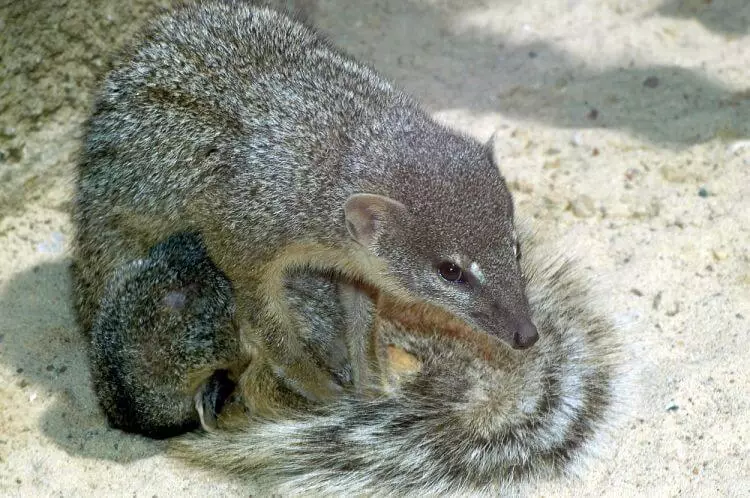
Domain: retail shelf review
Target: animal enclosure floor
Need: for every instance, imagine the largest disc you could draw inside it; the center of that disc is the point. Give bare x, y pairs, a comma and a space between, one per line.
623, 127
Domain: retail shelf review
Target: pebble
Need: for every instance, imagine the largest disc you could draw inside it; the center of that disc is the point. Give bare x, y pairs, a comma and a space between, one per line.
719, 255
577, 139
674, 309
651, 82
631, 173
657, 301
555, 200
675, 173
646, 210
16, 153
737, 146
522, 185
583, 206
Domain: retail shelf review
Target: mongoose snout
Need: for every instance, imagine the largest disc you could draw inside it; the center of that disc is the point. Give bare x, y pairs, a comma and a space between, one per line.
525, 335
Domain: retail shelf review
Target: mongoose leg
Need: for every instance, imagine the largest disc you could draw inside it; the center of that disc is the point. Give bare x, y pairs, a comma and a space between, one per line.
359, 312
163, 334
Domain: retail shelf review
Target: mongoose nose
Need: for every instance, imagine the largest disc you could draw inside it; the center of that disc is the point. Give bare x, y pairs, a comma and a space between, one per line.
525, 336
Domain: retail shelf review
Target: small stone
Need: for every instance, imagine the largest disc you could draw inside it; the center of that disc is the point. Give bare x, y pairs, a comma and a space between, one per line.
636, 292
49, 368
678, 173
593, 114
737, 146
672, 407
595, 152
16, 154
674, 309
555, 200
719, 255
703, 192
576, 140
651, 82
583, 206
646, 211
657, 301
617, 209
631, 173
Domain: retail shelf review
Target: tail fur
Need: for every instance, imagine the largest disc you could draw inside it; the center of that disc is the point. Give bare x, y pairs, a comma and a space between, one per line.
464, 423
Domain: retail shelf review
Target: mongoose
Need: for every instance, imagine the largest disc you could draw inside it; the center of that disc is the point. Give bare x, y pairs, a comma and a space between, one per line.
464, 415
166, 334
166, 341
452, 410
239, 123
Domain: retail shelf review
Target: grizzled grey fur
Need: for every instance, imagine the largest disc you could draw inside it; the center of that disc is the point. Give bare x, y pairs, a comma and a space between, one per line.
240, 124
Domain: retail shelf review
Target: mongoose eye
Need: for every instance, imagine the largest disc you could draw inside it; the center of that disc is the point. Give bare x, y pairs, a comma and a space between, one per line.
451, 272
517, 250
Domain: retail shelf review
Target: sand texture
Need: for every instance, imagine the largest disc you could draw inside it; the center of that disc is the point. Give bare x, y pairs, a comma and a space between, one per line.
623, 128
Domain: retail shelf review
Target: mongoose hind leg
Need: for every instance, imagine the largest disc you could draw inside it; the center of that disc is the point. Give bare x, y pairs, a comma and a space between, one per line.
164, 333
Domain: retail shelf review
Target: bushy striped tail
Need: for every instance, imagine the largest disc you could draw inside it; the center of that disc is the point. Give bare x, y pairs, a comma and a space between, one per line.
462, 424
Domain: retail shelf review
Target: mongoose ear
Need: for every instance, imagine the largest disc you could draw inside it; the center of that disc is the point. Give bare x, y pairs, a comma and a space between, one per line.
366, 214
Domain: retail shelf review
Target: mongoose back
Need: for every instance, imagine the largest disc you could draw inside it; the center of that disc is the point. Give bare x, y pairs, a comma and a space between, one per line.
241, 124
464, 416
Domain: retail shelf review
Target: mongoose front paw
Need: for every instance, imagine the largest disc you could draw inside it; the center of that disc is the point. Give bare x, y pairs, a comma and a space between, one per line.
211, 398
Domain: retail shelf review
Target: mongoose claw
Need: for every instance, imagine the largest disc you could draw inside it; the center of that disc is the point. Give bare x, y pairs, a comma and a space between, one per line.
211, 398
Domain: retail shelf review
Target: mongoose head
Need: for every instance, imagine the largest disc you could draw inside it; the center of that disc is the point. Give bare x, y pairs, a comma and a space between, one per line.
452, 243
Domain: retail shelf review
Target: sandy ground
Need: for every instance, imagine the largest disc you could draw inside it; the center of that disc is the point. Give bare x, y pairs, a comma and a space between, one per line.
624, 127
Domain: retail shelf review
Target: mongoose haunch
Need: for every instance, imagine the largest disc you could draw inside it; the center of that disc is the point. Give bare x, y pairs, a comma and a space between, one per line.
245, 126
